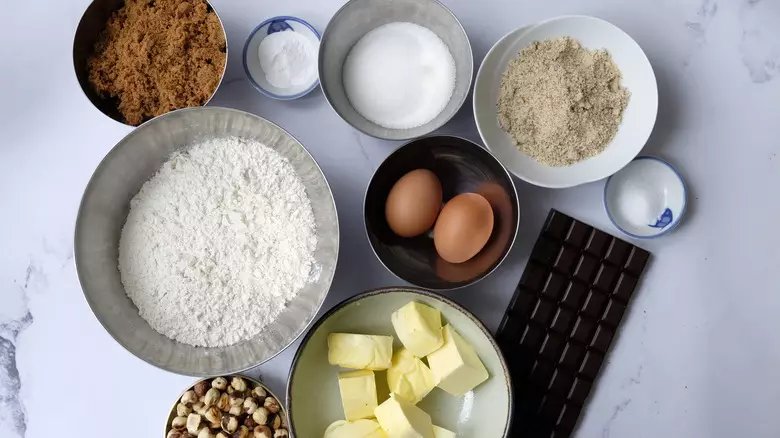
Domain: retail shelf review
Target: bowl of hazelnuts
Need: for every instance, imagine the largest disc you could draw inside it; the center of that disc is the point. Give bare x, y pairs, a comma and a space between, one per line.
227, 407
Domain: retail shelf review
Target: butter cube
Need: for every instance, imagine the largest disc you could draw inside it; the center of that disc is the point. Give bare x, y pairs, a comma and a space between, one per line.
456, 365
440, 432
418, 327
409, 378
360, 351
356, 429
401, 419
358, 394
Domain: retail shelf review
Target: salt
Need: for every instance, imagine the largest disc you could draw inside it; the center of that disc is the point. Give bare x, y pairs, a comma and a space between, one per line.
288, 59
399, 75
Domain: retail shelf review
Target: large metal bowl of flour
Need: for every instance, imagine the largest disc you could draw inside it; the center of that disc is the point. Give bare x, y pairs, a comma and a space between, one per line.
103, 212
358, 17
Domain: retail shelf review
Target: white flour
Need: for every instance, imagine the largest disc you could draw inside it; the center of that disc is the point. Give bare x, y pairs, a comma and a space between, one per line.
217, 242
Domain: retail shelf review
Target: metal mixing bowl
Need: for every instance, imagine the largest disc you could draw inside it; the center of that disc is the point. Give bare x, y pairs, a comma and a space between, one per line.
91, 24
358, 17
103, 213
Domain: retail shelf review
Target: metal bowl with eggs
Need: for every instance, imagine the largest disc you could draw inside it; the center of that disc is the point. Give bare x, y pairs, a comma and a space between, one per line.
441, 212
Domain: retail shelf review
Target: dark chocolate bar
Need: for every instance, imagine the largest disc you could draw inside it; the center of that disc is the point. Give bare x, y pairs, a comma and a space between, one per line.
562, 319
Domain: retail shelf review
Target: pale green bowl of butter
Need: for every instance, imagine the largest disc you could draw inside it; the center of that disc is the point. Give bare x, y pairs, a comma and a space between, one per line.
313, 396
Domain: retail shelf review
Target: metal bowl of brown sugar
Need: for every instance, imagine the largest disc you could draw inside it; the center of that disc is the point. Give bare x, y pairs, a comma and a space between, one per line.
111, 68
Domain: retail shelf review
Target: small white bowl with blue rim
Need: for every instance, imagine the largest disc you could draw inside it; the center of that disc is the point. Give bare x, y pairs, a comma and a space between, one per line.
251, 59
645, 199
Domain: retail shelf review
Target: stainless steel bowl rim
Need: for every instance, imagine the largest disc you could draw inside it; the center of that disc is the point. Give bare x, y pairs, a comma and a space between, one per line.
76, 240
433, 128
390, 289
514, 194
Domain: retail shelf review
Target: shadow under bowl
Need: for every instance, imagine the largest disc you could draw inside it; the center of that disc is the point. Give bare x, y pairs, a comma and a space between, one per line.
358, 17
462, 167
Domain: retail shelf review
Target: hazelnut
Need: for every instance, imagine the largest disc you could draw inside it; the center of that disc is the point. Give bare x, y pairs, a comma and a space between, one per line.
211, 397
205, 433
222, 435
250, 422
183, 410
260, 393
173, 433
235, 400
235, 410
271, 404
201, 387
229, 423
189, 397
193, 424
242, 432
261, 416
213, 415
219, 383
199, 408
280, 433
179, 423
224, 402
250, 405
262, 432
276, 422
238, 384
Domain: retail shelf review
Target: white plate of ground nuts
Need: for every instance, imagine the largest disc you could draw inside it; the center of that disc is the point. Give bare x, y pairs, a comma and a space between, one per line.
227, 407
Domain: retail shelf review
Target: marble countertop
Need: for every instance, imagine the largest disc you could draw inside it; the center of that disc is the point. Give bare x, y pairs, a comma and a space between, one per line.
697, 355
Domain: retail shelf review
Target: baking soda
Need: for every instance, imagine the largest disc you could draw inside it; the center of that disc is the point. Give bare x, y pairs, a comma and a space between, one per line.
399, 75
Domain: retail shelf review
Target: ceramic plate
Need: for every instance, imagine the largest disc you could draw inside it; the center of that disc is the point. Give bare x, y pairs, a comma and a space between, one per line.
638, 118
313, 398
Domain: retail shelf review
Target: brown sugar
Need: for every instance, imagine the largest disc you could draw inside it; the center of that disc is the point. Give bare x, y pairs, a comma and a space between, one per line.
156, 56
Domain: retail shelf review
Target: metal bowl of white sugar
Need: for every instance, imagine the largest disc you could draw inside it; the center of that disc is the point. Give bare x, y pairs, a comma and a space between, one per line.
395, 70
206, 241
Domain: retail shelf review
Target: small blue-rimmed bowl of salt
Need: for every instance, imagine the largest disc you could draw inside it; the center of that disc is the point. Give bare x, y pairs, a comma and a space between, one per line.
280, 58
646, 198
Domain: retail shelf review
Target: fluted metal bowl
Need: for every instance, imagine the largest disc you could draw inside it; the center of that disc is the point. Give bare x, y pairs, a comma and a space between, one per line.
103, 213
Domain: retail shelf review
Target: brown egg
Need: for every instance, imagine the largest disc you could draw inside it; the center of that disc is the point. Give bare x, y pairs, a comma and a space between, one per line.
463, 228
413, 203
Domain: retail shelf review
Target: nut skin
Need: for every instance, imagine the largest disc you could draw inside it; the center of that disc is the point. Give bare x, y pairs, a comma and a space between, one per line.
201, 387
220, 383
183, 410
229, 423
179, 423
173, 433
205, 433
276, 423
224, 402
193, 424
271, 404
235, 400
261, 416
242, 432
250, 422
238, 384
262, 432
213, 415
211, 397
281, 433
189, 397
250, 405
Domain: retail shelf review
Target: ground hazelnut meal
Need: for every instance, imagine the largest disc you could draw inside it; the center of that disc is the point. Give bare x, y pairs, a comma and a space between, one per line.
218, 242
156, 56
561, 103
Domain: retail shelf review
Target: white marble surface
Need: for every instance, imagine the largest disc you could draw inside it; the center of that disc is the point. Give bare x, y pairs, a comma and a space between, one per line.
697, 355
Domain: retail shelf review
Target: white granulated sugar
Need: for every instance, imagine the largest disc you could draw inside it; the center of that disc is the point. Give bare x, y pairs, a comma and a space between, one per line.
399, 75
217, 242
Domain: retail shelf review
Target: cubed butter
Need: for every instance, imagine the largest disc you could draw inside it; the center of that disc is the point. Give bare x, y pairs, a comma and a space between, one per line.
456, 365
440, 432
418, 327
358, 394
408, 377
355, 429
360, 351
401, 419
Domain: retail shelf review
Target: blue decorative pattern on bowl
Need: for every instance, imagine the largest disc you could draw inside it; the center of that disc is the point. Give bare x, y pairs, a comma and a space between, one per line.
278, 26
666, 218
